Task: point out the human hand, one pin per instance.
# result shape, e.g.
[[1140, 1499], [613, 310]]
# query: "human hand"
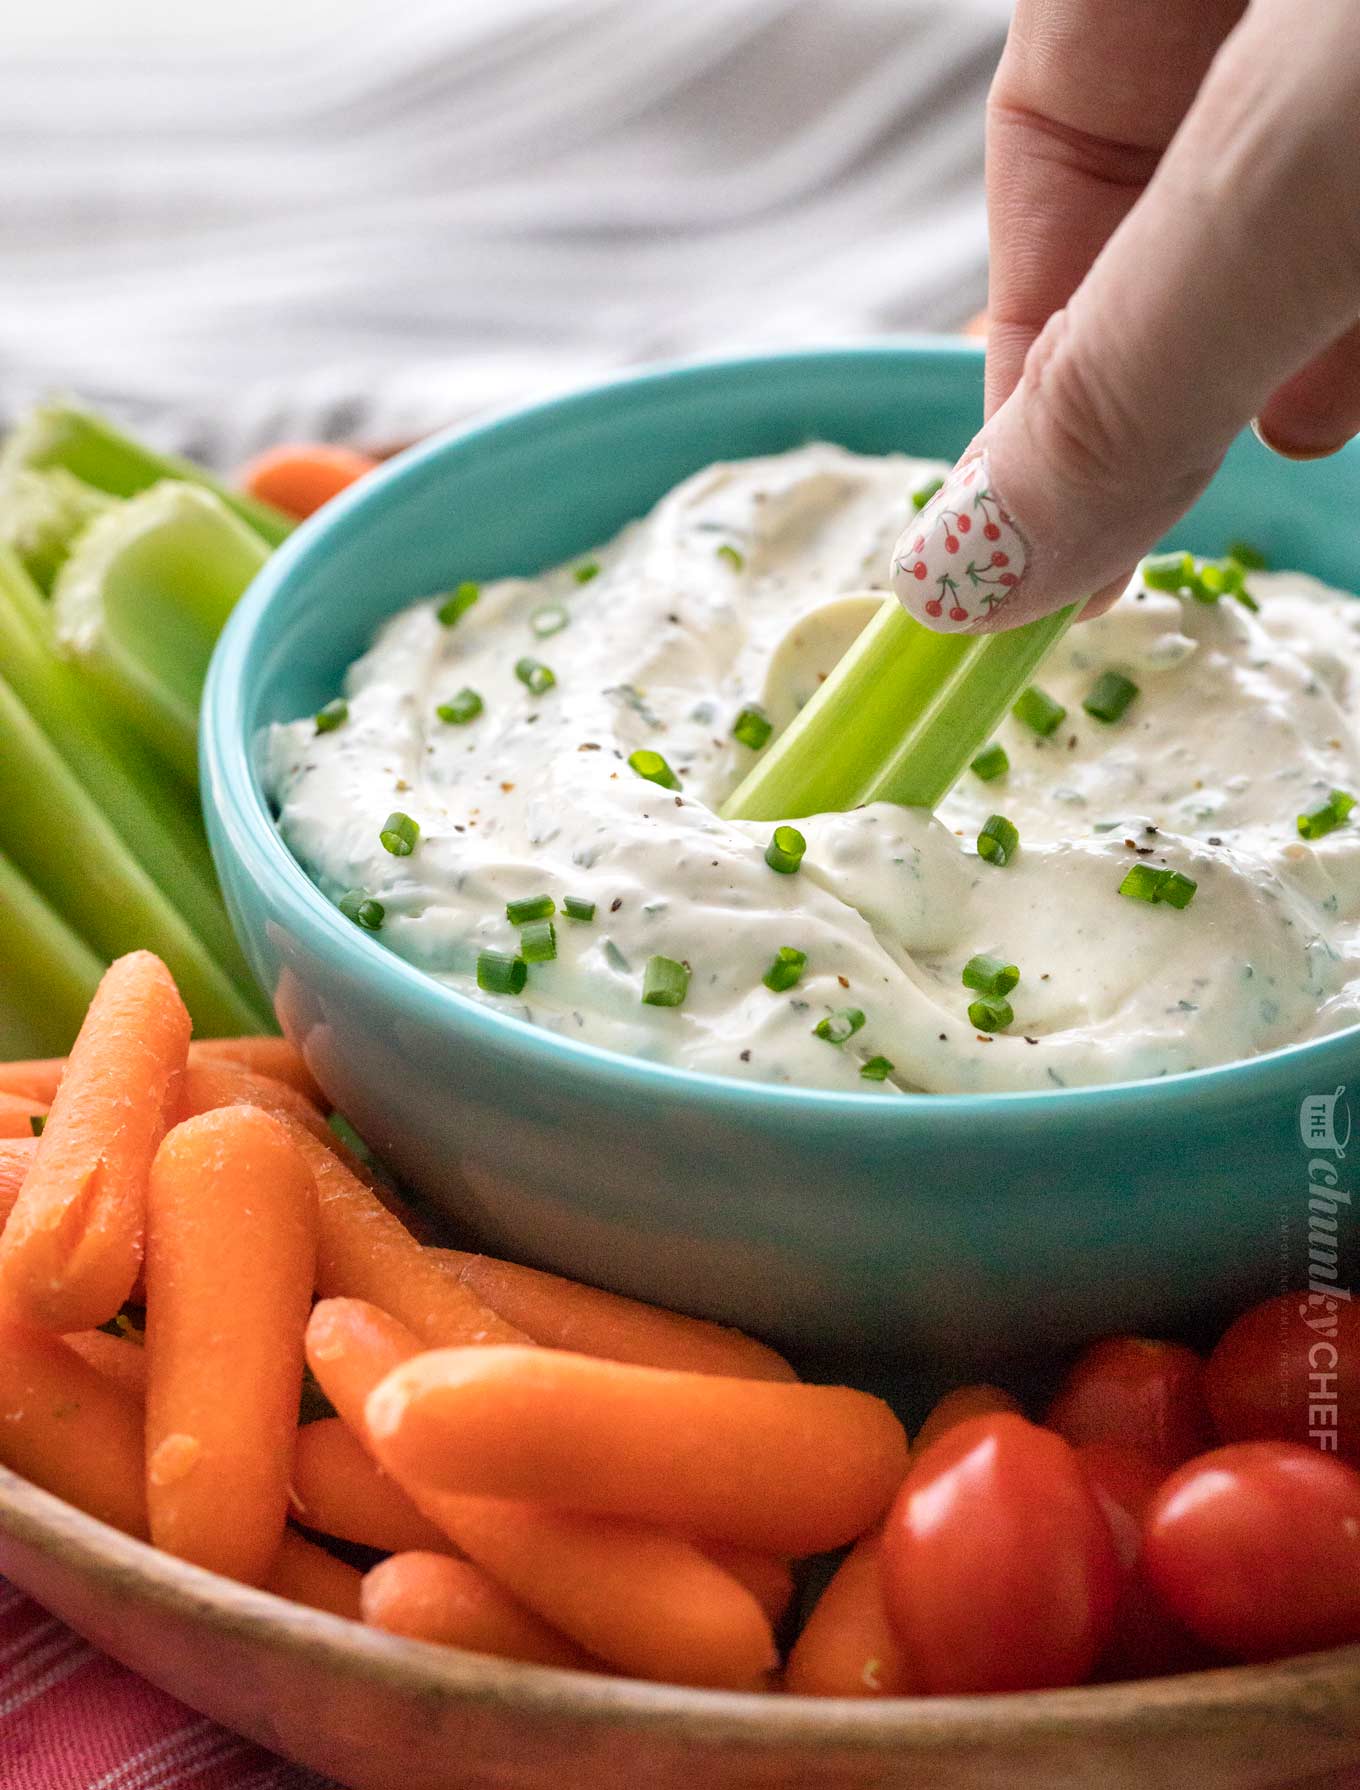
[[1174, 196]]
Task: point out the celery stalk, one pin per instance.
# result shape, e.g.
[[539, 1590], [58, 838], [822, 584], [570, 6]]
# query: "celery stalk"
[[898, 719], [57, 837], [141, 600], [160, 826], [58, 434], [41, 513], [48, 973]]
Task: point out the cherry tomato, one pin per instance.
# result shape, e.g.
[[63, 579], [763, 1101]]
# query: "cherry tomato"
[[1138, 1394], [998, 1568], [1256, 1548], [1147, 1641], [1289, 1371], [956, 1406]]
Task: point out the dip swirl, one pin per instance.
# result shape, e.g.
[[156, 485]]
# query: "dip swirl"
[[744, 586]]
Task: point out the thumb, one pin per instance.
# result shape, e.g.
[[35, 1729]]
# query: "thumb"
[[1239, 264]]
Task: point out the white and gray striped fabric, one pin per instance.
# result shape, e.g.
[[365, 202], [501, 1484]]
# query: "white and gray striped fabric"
[[370, 228]]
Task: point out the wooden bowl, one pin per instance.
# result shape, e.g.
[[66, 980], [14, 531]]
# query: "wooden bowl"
[[378, 1713]]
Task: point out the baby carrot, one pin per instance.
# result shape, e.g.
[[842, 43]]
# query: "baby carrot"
[[37, 1078], [791, 1469], [117, 1358], [307, 1574], [16, 1159], [648, 1603], [847, 1647], [17, 1113], [430, 1597], [339, 1489], [957, 1407], [274, 1057], [209, 1083], [768, 1578], [70, 1429], [564, 1314], [230, 1260], [299, 477], [71, 1249]]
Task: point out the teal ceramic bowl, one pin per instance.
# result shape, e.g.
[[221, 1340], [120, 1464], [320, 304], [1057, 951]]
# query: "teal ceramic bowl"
[[951, 1227]]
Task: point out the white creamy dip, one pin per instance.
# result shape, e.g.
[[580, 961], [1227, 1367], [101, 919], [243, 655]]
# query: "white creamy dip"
[[1241, 722]]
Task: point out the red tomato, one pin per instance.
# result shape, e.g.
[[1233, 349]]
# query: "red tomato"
[[1289, 1371], [998, 1568], [1138, 1394], [1256, 1548], [1147, 1641], [956, 1407]]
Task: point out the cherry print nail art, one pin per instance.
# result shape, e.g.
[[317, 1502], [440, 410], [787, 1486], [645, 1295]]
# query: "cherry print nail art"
[[962, 557]]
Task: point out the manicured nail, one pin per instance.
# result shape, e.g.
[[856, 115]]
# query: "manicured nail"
[[962, 557]]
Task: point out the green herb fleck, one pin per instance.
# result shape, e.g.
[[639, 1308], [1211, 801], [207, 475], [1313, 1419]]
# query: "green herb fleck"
[[998, 840], [499, 974], [839, 1026], [785, 851], [548, 619], [991, 763], [786, 966], [575, 908], [534, 675], [1109, 696], [989, 975], [399, 834], [584, 573], [530, 907], [876, 1069], [653, 768], [538, 942], [922, 495], [665, 982], [990, 1013], [1144, 882], [1039, 711], [1328, 817], [458, 602], [752, 727], [333, 715], [459, 709], [732, 556], [362, 909]]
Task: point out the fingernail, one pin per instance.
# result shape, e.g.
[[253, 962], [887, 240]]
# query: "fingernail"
[[963, 556], [1290, 451]]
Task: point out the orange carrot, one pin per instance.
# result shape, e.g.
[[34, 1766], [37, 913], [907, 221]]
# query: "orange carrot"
[[768, 1578], [648, 1603], [230, 1261], [309, 1575], [17, 1113], [118, 1358], [341, 1490], [957, 1407], [564, 1314], [70, 1429], [790, 1469], [365, 1252], [274, 1057], [37, 1078], [73, 1244], [16, 1159], [299, 477], [210, 1083], [848, 1648], [430, 1597]]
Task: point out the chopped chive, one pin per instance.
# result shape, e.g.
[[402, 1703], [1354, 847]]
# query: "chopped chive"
[[333, 715], [785, 851], [989, 975], [362, 909], [548, 619], [1038, 710], [465, 706], [1109, 696], [1219, 578], [458, 602], [876, 1069], [922, 495], [1169, 571], [665, 982], [839, 1026], [1245, 598], [653, 767], [584, 573], [1250, 558], [499, 974], [538, 942], [990, 1013], [786, 966], [1144, 882], [399, 834], [991, 763], [752, 726], [534, 675], [998, 839], [1328, 817], [731, 555], [37, 1123], [576, 908], [530, 907], [615, 957]]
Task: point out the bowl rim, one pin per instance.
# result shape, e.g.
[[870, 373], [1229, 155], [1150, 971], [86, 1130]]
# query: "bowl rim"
[[45, 1524], [232, 790]]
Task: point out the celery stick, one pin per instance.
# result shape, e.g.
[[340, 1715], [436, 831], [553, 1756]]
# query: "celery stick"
[[57, 836], [47, 972], [160, 827], [58, 434], [897, 720], [41, 513], [141, 600]]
